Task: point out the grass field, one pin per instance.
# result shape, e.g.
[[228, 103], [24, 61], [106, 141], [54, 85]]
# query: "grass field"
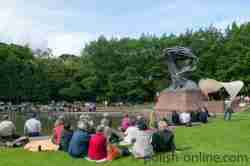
[[227, 141]]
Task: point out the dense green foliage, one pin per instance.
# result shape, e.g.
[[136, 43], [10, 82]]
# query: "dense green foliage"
[[218, 137], [123, 69]]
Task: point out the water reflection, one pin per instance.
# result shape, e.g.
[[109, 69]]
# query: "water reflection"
[[48, 120]]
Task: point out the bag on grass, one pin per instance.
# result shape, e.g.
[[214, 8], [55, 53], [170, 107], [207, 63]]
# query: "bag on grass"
[[113, 152]]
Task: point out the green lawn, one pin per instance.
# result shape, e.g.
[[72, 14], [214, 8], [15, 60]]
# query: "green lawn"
[[219, 137]]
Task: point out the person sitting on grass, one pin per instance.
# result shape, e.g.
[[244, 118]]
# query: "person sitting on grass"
[[194, 116], [106, 119], [125, 122], [142, 147], [87, 118], [140, 119], [107, 130], [58, 130], [130, 133], [112, 135], [66, 137], [78, 146], [163, 139], [33, 127], [175, 118], [7, 129], [98, 146], [203, 115], [185, 118]]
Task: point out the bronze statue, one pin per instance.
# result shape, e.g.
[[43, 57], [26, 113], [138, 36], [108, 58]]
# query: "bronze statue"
[[181, 62]]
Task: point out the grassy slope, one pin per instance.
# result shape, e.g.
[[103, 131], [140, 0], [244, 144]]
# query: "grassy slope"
[[216, 137]]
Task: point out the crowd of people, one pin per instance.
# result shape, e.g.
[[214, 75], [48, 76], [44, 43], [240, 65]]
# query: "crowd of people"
[[53, 106], [100, 142], [190, 118]]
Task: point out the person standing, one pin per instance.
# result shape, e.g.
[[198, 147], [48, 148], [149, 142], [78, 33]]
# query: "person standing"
[[33, 127], [228, 110]]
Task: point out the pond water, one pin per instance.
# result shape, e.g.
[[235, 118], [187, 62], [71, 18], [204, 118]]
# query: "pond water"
[[48, 120]]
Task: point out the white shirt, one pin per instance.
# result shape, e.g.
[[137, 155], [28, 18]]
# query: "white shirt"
[[32, 126], [142, 146], [185, 117], [7, 128], [130, 134]]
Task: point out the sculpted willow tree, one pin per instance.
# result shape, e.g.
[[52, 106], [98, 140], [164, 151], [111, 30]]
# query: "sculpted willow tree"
[[181, 62]]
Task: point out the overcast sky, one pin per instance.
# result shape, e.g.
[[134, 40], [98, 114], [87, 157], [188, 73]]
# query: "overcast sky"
[[66, 25]]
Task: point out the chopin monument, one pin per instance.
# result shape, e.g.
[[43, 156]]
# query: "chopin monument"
[[183, 95], [181, 62]]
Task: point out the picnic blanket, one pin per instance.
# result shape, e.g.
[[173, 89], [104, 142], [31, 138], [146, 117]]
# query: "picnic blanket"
[[42, 144]]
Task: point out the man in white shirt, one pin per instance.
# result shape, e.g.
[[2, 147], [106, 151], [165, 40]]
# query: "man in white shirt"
[[185, 118], [7, 128], [32, 127]]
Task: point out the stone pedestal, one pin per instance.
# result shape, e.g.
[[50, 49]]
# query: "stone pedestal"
[[214, 106], [185, 101], [180, 101]]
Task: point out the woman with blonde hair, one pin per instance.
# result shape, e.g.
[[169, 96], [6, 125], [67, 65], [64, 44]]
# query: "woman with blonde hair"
[[163, 139]]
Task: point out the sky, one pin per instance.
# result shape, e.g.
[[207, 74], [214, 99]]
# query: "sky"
[[66, 26]]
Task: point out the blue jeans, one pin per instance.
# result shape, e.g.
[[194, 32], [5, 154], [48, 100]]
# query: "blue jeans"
[[227, 115], [35, 134]]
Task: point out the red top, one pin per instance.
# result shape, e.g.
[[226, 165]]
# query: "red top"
[[97, 147], [58, 130]]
